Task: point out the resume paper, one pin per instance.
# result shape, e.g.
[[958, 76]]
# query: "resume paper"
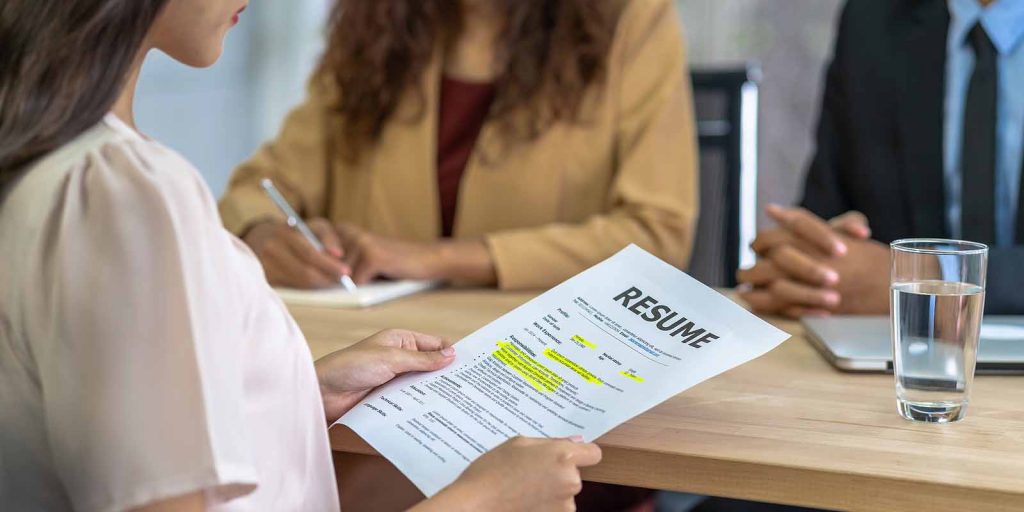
[[584, 357]]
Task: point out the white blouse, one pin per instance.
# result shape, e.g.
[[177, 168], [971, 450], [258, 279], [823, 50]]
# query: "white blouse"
[[142, 353]]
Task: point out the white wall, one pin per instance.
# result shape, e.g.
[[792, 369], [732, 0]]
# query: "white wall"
[[217, 117], [792, 40]]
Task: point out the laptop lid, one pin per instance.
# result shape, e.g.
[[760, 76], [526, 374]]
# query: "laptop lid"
[[863, 343]]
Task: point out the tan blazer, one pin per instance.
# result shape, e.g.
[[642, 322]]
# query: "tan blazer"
[[548, 209]]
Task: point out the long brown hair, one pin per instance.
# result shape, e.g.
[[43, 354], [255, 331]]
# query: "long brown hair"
[[550, 52], [63, 64]]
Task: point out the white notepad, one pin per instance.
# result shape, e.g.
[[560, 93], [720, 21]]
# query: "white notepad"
[[368, 294]]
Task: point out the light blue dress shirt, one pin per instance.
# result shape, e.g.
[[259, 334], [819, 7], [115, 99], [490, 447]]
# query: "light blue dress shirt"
[[1004, 22]]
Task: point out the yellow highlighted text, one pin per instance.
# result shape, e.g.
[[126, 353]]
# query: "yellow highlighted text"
[[581, 371], [580, 339], [628, 375], [539, 376]]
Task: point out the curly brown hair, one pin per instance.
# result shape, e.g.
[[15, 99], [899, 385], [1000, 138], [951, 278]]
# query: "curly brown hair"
[[549, 52]]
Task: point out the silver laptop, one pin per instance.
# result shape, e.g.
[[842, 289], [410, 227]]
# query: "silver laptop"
[[863, 343]]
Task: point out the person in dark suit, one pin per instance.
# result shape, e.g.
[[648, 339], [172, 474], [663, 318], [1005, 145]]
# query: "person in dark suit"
[[920, 135]]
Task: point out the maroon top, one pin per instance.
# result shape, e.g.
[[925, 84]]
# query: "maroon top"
[[463, 109]]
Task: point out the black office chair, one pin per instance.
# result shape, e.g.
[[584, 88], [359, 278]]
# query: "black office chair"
[[726, 108]]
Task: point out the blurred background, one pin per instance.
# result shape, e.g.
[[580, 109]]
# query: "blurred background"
[[218, 117]]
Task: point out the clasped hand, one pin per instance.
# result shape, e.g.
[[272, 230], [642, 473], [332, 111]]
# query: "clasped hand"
[[810, 266]]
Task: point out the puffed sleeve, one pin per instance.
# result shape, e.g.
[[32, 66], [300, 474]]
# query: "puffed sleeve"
[[653, 195], [142, 380]]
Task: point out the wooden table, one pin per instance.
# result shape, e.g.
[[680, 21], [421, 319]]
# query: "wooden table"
[[785, 428]]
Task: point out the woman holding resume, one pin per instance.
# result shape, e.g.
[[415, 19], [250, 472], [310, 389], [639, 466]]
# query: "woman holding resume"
[[145, 364], [509, 143]]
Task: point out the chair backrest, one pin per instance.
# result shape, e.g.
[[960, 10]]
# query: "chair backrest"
[[726, 108]]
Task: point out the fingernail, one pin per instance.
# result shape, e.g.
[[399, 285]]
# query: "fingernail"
[[839, 248], [334, 251], [832, 299], [448, 351], [831, 277], [576, 438]]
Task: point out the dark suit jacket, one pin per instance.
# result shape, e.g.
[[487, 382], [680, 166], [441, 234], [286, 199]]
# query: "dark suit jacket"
[[879, 141]]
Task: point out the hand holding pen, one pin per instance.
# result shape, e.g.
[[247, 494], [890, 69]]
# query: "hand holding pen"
[[295, 254]]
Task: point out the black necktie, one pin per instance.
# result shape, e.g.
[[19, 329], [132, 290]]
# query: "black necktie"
[[978, 154]]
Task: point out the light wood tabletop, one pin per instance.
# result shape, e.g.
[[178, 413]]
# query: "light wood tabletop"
[[784, 428]]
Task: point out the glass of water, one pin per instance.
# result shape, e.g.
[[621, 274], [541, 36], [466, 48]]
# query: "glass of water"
[[937, 301]]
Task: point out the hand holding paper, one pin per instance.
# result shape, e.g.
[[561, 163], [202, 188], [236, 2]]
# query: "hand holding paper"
[[549, 468], [346, 376], [582, 358]]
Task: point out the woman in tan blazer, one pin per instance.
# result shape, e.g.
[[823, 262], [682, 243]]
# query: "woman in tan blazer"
[[507, 142]]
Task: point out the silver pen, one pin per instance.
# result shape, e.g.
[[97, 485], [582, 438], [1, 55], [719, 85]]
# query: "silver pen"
[[295, 222]]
